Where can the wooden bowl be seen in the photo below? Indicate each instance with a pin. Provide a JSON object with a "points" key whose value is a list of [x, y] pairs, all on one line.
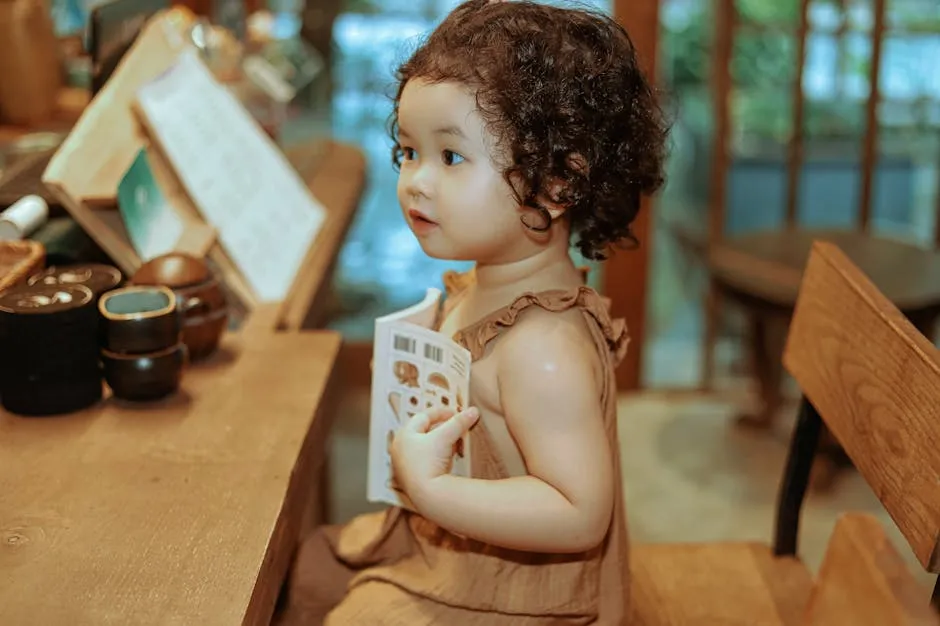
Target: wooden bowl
{"points": [[18, 260], [139, 320], [173, 270], [142, 377], [202, 333]]}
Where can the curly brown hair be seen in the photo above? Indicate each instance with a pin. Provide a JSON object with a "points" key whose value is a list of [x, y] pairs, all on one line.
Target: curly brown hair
{"points": [[562, 92]]}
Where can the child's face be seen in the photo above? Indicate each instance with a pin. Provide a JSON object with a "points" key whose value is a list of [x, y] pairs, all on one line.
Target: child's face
{"points": [[450, 188]]}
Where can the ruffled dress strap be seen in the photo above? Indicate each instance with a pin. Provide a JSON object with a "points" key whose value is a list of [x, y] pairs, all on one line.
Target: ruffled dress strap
{"points": [[596, 308]]}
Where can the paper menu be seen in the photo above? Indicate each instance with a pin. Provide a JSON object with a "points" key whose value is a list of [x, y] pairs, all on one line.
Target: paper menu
{"points": [[414, 369], [238, 179]]}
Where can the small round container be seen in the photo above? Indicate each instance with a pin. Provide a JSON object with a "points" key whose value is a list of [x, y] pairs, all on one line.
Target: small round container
{"points": [[47, 332], [98, 277], [201, 300], [144, 377], [36, 397], [48, 350], [139, 320], [202, 333]]}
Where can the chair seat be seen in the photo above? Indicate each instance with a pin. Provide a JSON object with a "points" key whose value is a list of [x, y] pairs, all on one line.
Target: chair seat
{"points": [[768, 266], [716, 584]]}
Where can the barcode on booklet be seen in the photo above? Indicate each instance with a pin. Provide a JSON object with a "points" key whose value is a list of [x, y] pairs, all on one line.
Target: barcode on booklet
{"points": [[405, 344], [434, 353]]}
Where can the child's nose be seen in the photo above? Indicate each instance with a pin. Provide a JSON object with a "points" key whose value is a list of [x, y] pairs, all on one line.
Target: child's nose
{"points": [[422, 182]]}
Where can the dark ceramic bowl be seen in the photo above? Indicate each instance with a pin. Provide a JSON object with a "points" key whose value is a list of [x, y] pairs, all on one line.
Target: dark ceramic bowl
{"points": [[142, 377], [173, 270], [200, 299], [139, 320], [201, 334]]}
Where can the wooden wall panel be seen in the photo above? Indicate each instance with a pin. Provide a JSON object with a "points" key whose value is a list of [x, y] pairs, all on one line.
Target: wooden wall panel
{"points": [[627, 272]]}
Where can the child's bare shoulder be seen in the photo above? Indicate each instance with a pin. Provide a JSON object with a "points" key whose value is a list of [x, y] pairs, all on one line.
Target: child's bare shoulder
{"points": [[543, 339]]}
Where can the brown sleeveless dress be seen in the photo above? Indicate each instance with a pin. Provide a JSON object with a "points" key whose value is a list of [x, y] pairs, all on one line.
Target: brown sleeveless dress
{"points": [[396, 568]]}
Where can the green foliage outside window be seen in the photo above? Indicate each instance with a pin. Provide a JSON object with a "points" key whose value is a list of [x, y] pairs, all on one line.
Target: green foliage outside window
{"points": [[763, 68]]}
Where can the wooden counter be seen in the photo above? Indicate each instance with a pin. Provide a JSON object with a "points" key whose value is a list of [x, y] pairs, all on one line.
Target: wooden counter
{"points": [[183, 511]]}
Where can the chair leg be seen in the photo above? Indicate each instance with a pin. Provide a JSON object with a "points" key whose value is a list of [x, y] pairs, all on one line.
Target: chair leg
{"points": [[712, 312], [767, 341], [796, 478], [935, 596]]}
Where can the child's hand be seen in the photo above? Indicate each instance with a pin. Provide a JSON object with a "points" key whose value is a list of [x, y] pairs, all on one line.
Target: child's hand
{"points": [[423, 448]]}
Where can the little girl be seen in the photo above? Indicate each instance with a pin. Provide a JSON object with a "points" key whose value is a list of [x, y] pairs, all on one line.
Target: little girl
{"points": [[517, 126]]}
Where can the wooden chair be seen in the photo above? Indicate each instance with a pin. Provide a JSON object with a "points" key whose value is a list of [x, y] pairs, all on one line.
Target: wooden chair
{"points": [[864, 582], [875, 380]]}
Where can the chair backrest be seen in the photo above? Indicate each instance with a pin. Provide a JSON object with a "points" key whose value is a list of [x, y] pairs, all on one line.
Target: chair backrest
{"points": [[863, 581], [875, 381]]}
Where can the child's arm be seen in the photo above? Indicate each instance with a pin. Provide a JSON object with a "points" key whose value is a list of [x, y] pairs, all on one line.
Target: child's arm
{"points": [[549, 391]]}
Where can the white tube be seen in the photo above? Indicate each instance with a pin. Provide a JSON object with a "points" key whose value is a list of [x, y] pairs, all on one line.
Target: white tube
{"points": [[23, 218]]}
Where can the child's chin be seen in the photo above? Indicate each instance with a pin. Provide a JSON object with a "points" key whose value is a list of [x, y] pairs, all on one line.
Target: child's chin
{"points": [[441, 251]]}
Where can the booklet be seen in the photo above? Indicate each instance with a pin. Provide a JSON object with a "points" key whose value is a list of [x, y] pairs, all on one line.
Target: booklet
{"points": [[414, 369]]}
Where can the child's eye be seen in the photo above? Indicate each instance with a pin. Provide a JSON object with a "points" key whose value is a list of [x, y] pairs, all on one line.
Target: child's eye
{"points": [[451, 158], [408, 154]]}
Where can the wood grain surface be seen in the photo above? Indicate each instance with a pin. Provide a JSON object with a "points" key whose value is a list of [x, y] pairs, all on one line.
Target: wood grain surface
{"points": [[876, 382], [865, 582], [183, 511]]}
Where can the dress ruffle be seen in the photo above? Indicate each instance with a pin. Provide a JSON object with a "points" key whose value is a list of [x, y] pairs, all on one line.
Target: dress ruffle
{"points": [[476, 336]]}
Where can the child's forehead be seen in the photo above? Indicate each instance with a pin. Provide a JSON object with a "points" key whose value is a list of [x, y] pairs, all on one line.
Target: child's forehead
{"points": [[423, 101], [444, 110]]}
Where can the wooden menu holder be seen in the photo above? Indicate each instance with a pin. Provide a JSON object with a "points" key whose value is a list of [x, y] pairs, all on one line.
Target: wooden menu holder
{"points": [[86, 170]]}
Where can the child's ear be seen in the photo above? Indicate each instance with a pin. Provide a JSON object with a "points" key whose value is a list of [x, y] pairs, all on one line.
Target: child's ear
{"points": [[553, 196]]}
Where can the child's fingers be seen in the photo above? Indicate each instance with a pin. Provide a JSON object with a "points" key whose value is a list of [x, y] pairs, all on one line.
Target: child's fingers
{"points": [[455, 427], [426, 420]]}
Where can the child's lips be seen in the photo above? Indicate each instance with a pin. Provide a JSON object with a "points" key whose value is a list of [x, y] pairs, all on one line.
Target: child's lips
{"points": [[420, 223], [418, 216]]}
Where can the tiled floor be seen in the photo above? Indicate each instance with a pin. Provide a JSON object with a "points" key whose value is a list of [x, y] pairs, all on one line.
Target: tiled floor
{"points": [[689, 474]]}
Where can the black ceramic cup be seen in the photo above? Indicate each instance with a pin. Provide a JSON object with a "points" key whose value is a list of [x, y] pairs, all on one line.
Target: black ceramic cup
{"points": [[142, 377], [139, 320]]}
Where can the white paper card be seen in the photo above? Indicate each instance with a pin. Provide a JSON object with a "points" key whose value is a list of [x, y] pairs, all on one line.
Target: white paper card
{"points": [[414, 369]]}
